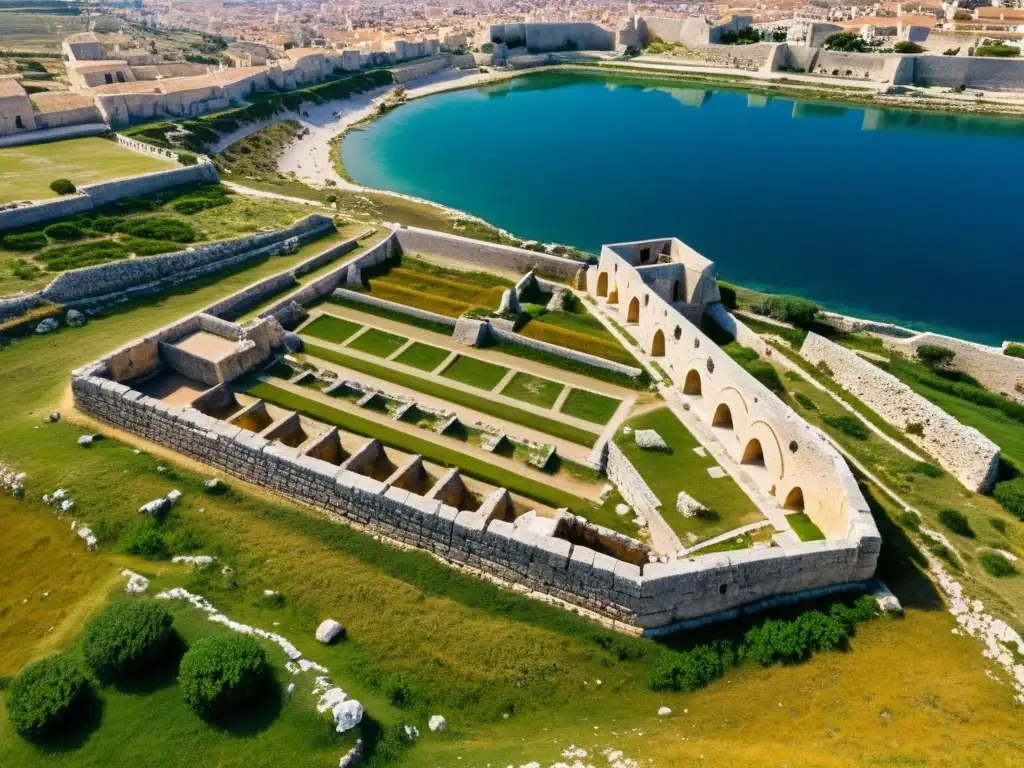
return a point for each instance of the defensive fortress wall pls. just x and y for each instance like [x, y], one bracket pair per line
[652, 286]
[548, 37]
[570, 561]
[91, 196]
[970, 456]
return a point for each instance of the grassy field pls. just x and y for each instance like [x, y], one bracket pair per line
[43, 32]
[590, 406]
[424, 285]
[423, 356]
[430, 386]
[573, 328]
[680, 469]
[804, 528]
[378, 343]
[26, 172]
[474, 372]
[533, 389]
[336, 330]
[477, 653]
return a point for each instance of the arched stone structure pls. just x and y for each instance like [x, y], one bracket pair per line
[602, 284]
[658, 344]
[692, 384]
[722, 417]
[633, 312]
[771, 449]
[795, 499]
[753, 453]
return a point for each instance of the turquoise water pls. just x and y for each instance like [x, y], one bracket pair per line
[895, 215]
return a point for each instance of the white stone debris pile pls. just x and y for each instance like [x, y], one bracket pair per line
[664, 712]
[48, 325]
[74, 318]
[411, 732]
[650, 440]
[346, 713]
[174, 496]
[199, 560]
[689, 506]
[12, 481]
[437, 723]
[85, 534]
[156, 507]
[214, 486]
[328, 631]
[137, 584]
[86, 440]
[352, 757]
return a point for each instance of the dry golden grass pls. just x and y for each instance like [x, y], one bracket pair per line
[446, 295]
[581, 342]
[415, 298]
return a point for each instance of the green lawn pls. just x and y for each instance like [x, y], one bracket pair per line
[377, 342]
[680, 469]
[590, 406]
[26, 172]
[804, 528]
[423, 356]
[533, 389]
[333, 329]
[475, 372]
[482, 470]
[456, 396]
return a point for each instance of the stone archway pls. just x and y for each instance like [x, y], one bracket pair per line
[602, 284]
[658, 344]
[692, 383]
[633, 313]
[753, 453]
[795, 499]
[722, 417]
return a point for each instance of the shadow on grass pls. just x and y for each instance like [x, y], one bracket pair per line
[160, 673]
[253, 714]
[74, 730]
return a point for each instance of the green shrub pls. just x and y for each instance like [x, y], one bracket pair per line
[1012, 350]
[805, 401]
[187, 158]
[159, 228]
[63, 187]
[43, 694]
[791, 309]
[145, 539]
[909, 520]
[998, 50]
[194, 203]
[64, 230]
[956, 521]
[219, 671]
[685, 670]
[27, 241]
[25, 270]
[125, 637]
[825, 368]
[1010, 494]
[850, 425]
[907, 46]
[728, 294]
[927, 469]
[935, 356]
[850, 42]
[915, 428]
[998, 523]
[996, 565]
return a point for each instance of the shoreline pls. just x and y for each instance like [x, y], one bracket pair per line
[331, 159]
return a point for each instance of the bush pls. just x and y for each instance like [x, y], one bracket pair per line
[951, 52]
[159, 228]
[998, 523]
[805, 401]
[187, 158]
[125, 637]
[825, 368]
[43, 694]
[996, 565]
[25, 270]
[845, 41]
[64, 230]
[907, 46]
[909, 520]
[927, 469]
[1011, 350]
[201, 201]
[850, 425]
[915, 428]
[28, 241]
[685, 670]
[63, 187]
[1010, 494]
[998, 50]
[956, 522]
[219, 671]
[791, 309]
[145, 540]
[935, 356]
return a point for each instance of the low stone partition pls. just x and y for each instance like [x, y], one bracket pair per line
[970, 456]
[91, 196]
[345, 294]
[118, 280]
[630, 483]
[570, 354]
[464, 249]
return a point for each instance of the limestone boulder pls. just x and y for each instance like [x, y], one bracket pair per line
[156, 508]
[214, 486]
[53, 417]
[688, 506]
[328, 631]
[650, 440]
[74, 318]
[347, 715]
[664, 712]
[174, 496]
[48, 325]
[437, 723]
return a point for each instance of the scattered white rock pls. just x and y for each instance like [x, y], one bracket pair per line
[74, 318]
[155, 508]
[688, 506]
[650, 440]
[67, 505]
[574, 752]
[174, 496]
[290, 689]
[437, 723]
[627, 431]
[351, 758]
[411, 732]
[606, 491]
[214, 485]
[85, 441]
[328, 630]
[269, 593]
[347, 715]
[53, 417]
[137, 584]
[161, 469]
[85, 533]
[48, 325]
[199, 560]
[622, 509]
[664, 712]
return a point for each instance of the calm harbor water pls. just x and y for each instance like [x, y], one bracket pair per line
[896, 215]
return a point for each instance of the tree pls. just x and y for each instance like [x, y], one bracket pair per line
[219, 671]
[935, 356]
[63, 187]
[850, 42]
[44, 694]
[907, 46]
[126, 636]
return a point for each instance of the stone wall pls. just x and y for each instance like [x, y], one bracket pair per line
[403, 309]
[970, 71]
[407, 72]
[548, 37]
[414, 240]
[630, 483]
[92, 196]
[963, 451]
[569, 354]
[861, 66]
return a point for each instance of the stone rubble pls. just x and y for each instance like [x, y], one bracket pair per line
[12, 481]
[688, 506]
[74, 319]
[156, 508]
[199, 560]
[328, 630]
[650, 440]
[411, 732]
[137, 584]
[48, 325]
[437, 723]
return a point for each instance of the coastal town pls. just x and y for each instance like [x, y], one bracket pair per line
[485, 384]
